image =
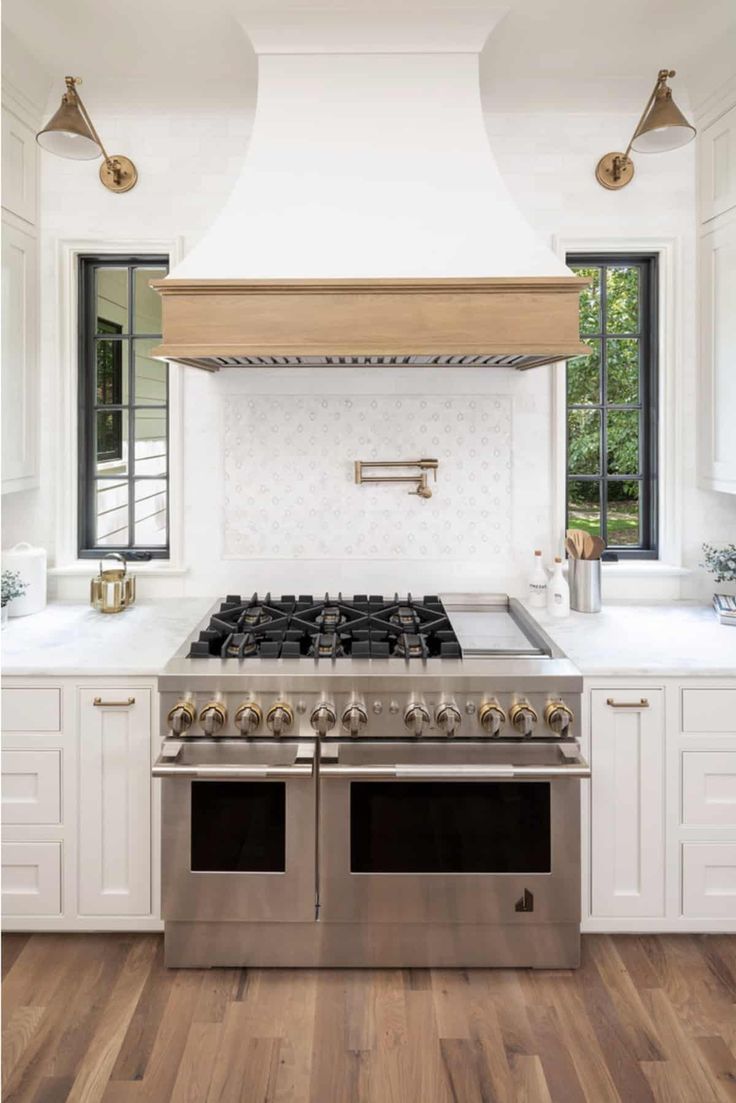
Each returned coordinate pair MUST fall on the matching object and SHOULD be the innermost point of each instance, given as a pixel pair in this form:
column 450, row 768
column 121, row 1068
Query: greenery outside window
column 612, row 405
column 123, row 410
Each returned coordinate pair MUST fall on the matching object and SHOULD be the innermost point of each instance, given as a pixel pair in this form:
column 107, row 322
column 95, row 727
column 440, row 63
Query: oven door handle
column 229, row 773
column 439, row 772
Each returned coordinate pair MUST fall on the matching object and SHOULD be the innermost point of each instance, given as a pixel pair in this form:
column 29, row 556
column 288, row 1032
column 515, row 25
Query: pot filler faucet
column 421, row 489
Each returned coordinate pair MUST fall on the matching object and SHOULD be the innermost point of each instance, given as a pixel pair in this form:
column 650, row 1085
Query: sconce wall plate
column 614, row 170
column 118, row 173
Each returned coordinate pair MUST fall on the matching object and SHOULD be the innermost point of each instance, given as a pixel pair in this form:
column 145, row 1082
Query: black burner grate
column 291, row 627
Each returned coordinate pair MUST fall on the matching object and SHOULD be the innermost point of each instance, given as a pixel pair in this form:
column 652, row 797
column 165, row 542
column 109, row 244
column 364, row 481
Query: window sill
column 643, row 568
column 159, row 568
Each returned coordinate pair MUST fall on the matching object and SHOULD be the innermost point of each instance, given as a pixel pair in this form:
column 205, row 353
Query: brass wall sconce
column 70, row 133
column 661, row 127
column 421, row 488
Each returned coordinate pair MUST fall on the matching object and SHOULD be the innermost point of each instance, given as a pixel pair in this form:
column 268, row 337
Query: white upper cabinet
column 717, row 164
column 19, row 168
column 718, row 354
column 716, row 315
column 20, row 298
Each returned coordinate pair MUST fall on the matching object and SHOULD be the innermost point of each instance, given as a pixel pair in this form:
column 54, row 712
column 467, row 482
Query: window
column 123, row 409
column 612, row 405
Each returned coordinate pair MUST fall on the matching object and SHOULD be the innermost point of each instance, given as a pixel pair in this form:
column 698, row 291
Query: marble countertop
column 73, row 639
column 681, row 638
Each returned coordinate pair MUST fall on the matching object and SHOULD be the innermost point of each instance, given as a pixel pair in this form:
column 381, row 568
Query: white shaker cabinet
column 628, row 802
column 114, row 801
column 80, row 811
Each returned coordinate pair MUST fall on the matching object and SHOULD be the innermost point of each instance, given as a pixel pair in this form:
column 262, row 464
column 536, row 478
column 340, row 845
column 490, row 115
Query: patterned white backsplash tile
column 289, row 477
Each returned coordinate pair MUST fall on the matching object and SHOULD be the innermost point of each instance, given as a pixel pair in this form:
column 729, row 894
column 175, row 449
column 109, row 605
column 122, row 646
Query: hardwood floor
column 98, row 1017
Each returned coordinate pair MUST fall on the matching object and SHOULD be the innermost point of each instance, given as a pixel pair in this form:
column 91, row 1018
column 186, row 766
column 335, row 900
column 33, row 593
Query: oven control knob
column 213, row 717
column 279, row 718
column 523, row 717
column 416, row 719
column 354, row 719
column 448, row 718
column 248, row 718
column 323, row 718
column 559, row 717
column 491, row 717
column 181, row 717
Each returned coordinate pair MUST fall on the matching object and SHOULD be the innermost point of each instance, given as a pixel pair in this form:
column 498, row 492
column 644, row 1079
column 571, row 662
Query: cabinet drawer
column 709, row 788
column 709, row 710
column 31, row 787
column 709, row 880
column 31, row 878
column 31, row 710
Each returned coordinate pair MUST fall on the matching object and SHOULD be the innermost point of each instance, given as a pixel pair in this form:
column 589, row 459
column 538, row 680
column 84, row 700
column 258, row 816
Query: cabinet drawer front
column 31, row 786
column 31, row 878
column 709, row 880
column 31, row 710
column 709, row 788
column 709, row 710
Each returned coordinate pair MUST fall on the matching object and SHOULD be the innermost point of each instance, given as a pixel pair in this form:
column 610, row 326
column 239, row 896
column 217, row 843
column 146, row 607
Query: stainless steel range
column 370, row 782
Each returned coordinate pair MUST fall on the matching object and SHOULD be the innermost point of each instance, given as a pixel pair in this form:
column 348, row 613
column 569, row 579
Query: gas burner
column 406, row 619
column 364, row 627
column 329, row 618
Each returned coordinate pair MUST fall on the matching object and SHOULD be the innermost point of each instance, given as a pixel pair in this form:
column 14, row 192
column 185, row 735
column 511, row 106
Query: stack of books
column 725, row 607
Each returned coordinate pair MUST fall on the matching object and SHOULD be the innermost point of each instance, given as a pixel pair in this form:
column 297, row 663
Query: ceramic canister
column 30, row 563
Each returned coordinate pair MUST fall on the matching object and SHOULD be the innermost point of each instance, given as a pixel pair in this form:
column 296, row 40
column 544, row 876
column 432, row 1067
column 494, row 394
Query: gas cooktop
column 364, row 626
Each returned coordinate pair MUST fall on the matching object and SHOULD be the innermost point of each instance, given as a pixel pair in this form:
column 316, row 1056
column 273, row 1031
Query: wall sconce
column 70, row 133
column 661, row 127
column 421, row 486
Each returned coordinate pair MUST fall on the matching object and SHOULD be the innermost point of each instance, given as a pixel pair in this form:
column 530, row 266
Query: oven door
column 238, row 831
column 450, row 833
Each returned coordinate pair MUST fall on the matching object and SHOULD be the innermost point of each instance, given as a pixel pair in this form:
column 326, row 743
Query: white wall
column 187, row 166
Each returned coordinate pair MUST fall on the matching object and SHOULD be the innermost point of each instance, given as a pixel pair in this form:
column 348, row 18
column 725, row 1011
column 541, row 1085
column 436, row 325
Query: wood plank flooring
column 98, row 1017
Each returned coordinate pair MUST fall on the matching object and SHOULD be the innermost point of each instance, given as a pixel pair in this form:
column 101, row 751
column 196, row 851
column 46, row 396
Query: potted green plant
column 12, row 586
column 721, row 563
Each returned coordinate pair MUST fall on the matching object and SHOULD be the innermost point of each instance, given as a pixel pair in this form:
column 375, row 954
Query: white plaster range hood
column 370, row 223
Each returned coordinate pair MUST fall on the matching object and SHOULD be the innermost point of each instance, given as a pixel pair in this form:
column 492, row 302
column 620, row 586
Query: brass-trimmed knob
column 279, row 717
column 248, row 717
column 213, row 717
column 559, row 717
column 416, row 718
column 323, row 718
column 447, row 717
column 491, row 717
column 181, row 717
column 354, row 718
column 523, row 717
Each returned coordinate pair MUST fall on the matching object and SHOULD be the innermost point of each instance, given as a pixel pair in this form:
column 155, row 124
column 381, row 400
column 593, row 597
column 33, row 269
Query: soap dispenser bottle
column 538, row 583
column 558, row 592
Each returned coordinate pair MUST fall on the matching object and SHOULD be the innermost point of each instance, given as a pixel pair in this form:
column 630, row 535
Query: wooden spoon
column 596, row 548
column 577, row 537
column 571, row 547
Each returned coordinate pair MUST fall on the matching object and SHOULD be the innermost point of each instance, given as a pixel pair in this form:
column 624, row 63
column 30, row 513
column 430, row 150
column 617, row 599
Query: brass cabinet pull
column 642, row 704
column 100, row 704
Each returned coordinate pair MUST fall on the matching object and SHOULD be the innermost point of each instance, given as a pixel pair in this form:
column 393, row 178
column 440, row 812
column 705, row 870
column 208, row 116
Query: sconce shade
column 664, row 126
column 68, row 135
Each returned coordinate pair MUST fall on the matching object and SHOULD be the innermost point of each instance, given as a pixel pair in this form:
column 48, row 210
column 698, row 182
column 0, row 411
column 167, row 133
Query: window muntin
column 123, row 409
column 611, row 405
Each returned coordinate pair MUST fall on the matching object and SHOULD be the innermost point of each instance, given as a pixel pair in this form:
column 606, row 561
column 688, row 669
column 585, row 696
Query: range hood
column 370, row 223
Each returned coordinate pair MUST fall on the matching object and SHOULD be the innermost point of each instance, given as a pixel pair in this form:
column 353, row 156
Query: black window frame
column 648, row 404
column 88, row 334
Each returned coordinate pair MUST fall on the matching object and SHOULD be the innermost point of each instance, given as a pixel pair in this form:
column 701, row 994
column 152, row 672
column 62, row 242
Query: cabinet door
column 717, row 160
column 627, row 802
column 20, row 159
column 19, row 358
column 114, row 801
column 718, row 357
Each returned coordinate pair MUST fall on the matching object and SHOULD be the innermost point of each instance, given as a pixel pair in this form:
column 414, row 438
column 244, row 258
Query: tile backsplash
column 289, row 480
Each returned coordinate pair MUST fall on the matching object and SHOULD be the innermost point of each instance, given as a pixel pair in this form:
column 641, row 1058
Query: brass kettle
column 113, row 589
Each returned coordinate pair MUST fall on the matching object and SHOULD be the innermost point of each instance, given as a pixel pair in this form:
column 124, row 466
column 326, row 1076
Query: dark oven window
column 238, row 827
column 450, row 827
